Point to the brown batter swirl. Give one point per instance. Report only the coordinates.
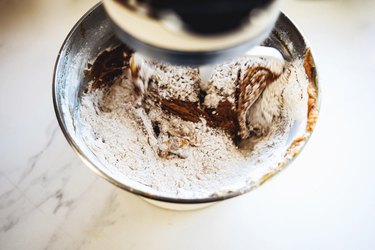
(228, 116)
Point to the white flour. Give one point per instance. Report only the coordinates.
(122, 137)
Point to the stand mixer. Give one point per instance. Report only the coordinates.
(92, 36)
(193, 32)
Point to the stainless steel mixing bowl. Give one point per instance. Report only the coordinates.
(92, 34)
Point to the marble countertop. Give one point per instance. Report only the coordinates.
(324, 200)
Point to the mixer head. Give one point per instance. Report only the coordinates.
(192, 32)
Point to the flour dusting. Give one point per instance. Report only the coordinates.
(134, 129)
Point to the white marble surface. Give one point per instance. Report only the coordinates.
(324, 200)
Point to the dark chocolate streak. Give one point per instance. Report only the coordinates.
(110, 64)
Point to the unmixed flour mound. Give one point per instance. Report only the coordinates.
(168, 132)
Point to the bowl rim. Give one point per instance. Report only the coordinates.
(89, 163)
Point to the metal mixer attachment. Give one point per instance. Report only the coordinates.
(192, 32)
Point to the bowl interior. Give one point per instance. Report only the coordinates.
(91, 35)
